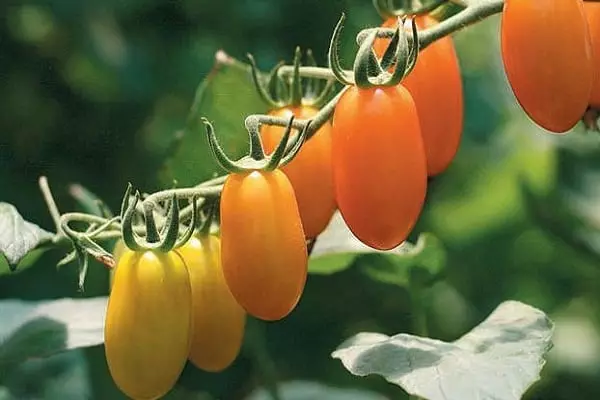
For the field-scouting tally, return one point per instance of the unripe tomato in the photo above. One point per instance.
(547, 57)
(218, 319)
(263, 248)
(436, 88)
(309, 172)
(379, 166)
(592, 11)
(148, 323)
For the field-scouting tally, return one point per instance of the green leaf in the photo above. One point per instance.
(17, 236)
(225, 97)
(40, 329)
(499, 359)
(306, 390)
(336, 249)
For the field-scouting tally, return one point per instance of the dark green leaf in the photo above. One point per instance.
(225, 97)
(17, 236)
(306, 390)
(499, 359)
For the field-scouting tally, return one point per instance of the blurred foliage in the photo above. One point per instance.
(96, 92)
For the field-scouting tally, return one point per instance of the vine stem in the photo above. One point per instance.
(52, 207)
(307, 72)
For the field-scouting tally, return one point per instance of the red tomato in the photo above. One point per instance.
(547, 56)
(379, 166)
(436, 88)
(263, 248)
(310, 172)
(592, 11)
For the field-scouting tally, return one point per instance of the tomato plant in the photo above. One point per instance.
(436, 88)
(218, 319)
(547, 57)
(148, 323)
(310, 172)
(592, 12)
(379, 166)
(263, 249)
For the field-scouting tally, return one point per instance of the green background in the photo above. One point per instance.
(93, 92)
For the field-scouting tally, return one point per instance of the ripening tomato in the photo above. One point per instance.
(309, 172)
(592, 11)
(263, 248)
(547, 57)
(148, 323)
(218, 319)
(436, 88)
(379, 166)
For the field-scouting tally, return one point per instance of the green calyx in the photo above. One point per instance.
(391, 8)
(279, 90)
(369, 71)
(164, 239)
(285, 151)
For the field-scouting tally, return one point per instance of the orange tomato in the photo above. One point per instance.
(218, 319)
(263, 247)
(310, 172)
(547, 57)
(592, 12)
(436, 88)
(379, 166)
(148, 323)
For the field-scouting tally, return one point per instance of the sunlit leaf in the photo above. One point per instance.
(499, 359)
(17, 236)
(337, 249)
(40, 329)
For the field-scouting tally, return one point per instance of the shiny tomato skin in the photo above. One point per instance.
(379, 166)
(263, 246)
(547, 58)
(436, 87)
(310, 172)
(219, 320)
(592, 12)
(148, 323)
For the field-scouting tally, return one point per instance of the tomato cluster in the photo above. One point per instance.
(166, 308)
(549, 60)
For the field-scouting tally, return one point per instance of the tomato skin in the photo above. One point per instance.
(547, 57)
(310, 172)
(379, 166)
(436, 88)
(263, 248)
(592, 12)
(219, 320)
(148, 323)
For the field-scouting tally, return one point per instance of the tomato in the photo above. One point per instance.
(379, 166)
(218, 319)
(263, 246)
(309, 172)
(592, 11)
(148, 323)
(547, 57)
(436, 88)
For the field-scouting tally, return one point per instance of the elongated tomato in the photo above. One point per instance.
(310, 172)
(592, 12)
(263, 246)
(436, 88)
(548, 60)
(379, 166)
(148, 323)
(218, 319)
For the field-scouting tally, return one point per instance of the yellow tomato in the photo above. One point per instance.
(148, 323)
